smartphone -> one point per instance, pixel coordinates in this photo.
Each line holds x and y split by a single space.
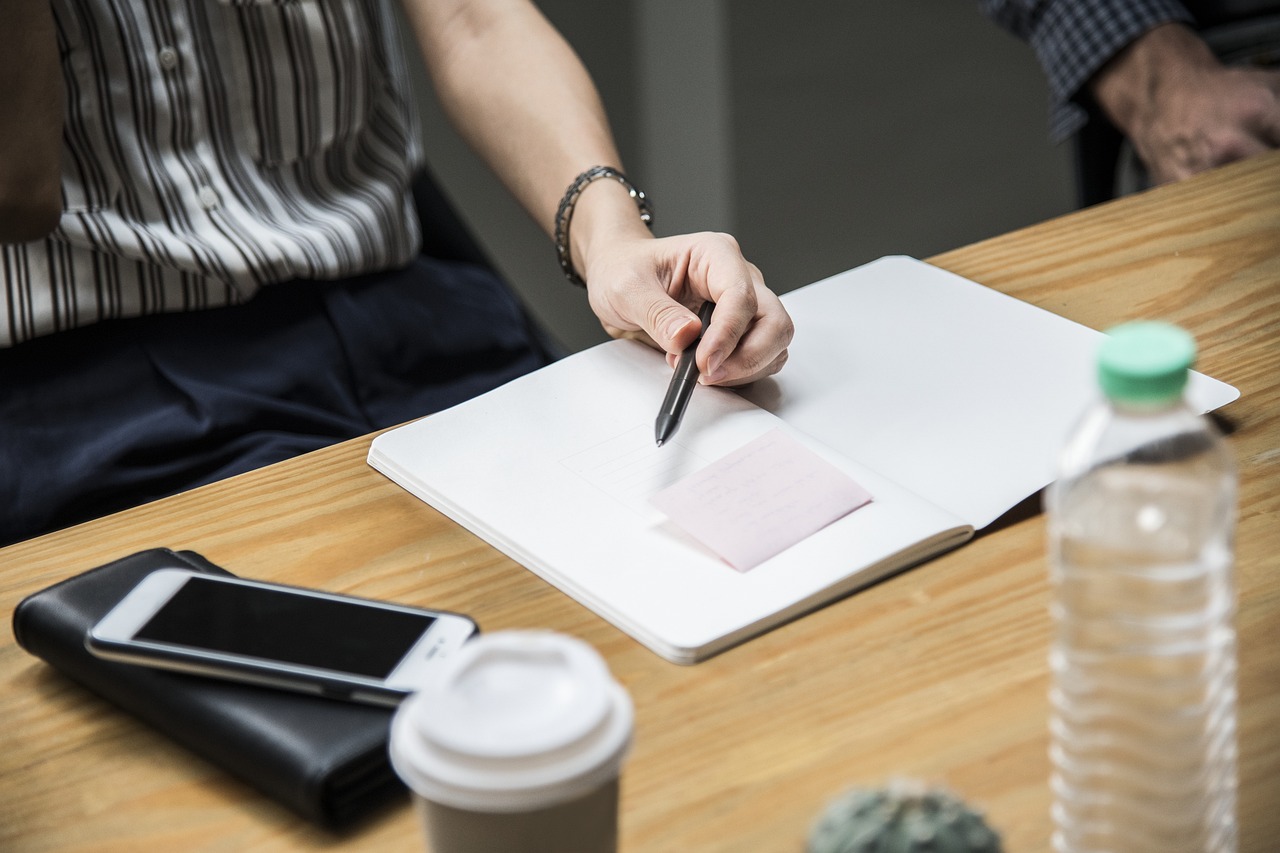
281 636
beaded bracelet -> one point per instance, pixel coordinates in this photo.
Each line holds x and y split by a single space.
565 212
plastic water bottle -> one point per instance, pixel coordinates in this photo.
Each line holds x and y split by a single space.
1141 522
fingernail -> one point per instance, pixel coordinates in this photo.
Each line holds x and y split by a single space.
674 329
714 372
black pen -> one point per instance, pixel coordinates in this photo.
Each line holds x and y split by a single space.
682 382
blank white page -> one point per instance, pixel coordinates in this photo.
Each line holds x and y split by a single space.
958 392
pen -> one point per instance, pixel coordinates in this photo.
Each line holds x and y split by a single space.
681 387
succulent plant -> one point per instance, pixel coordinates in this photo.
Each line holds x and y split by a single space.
903 817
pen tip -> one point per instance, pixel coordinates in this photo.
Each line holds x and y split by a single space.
659 442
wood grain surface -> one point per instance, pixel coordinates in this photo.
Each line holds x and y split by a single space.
939 673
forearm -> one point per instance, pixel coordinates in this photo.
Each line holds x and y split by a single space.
521 98
30 122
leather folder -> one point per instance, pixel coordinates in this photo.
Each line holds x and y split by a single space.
326 759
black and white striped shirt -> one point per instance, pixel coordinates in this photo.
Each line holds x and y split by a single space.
214 146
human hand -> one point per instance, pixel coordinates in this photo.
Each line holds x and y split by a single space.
1183 111
1219 116
650 289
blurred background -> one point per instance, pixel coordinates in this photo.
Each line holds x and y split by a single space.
821 133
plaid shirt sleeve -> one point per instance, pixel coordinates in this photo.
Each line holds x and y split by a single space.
1072 39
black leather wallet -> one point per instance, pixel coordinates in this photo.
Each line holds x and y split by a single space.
325 759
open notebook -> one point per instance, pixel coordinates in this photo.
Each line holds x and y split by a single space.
946 400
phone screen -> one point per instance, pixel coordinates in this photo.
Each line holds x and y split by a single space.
284 626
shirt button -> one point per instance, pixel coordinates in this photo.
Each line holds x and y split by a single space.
208 197
168 58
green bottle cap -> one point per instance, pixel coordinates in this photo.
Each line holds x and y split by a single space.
1145 362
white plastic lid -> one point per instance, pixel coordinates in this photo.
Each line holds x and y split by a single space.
515 720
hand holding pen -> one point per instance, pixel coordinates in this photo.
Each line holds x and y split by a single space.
682 383
639 288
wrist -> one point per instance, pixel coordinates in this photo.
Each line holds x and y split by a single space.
1134 86
606 213
599 208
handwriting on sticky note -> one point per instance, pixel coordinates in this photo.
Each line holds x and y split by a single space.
761 499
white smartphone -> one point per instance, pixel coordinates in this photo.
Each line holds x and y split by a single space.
281 636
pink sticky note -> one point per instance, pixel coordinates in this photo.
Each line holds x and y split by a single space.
760 499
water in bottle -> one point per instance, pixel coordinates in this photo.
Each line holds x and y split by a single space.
1143 661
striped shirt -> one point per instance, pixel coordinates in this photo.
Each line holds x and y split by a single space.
211 147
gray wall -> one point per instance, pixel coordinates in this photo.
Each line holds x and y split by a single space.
822 133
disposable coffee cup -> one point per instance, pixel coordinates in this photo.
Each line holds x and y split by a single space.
515 744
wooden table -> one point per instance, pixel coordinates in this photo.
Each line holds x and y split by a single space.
938 674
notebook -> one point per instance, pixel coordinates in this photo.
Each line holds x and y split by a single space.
945 400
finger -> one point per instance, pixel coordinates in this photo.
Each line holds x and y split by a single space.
631 334
761 350
723 273
1174 164
1240 148
682 327
730 323
775 365
667 323
653 315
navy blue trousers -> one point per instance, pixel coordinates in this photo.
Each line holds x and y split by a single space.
112 415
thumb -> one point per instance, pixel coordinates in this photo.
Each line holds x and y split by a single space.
671 325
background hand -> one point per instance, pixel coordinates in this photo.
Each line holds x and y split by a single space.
1182 109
